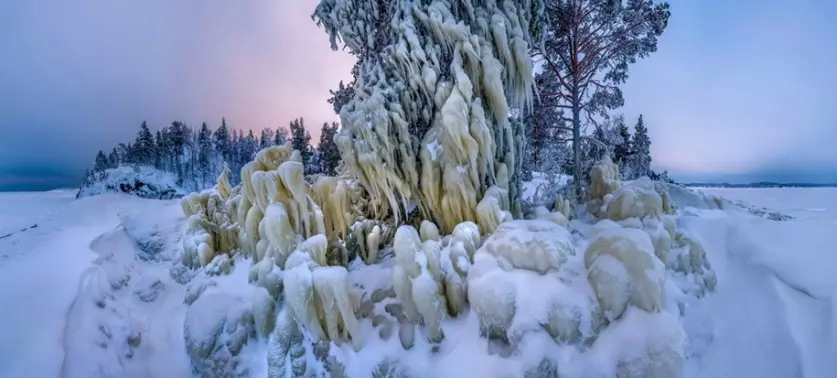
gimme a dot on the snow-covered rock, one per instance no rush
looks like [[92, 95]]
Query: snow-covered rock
[[142, 181]]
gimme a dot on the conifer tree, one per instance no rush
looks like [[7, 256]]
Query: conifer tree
[[329, 153], [205, 150], [641, 162], [101, 162], [280, 137], [301, 140], [144, 146], [266, 138]]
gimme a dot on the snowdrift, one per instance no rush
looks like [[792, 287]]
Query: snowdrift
[[143, 182]]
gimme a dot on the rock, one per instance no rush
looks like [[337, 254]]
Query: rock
[[546, 369], [396, 311], [378, 320], [181, 273], [216, 328], [386, 330], [407, 334], [365, 309], [381, 294], [149, 291], [196, 288], [220, 265]]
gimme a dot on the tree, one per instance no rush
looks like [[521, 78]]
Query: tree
[[113, 159], [266, 138], [144, 146], [280, 136], [416, 84], [329, 153], [622, 150], [586, 53], [641, 162], [204, 148], [101, 162], [222, 141], [301, 140]]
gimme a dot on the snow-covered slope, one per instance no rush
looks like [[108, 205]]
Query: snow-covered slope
[[90, 293]]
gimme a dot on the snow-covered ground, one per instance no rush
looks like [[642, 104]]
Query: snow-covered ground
[[88, 292], [818, 204]]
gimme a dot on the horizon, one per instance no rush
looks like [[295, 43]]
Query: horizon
[[715, 109]]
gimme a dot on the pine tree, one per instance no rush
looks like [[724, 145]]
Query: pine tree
[[329, 153], [101, 162], [301, 140], [144, 146], [622, 150], [266, 138], [223, 141], [205, 150], [590, 45], [280, 137], [641, 162], [251, 146], [113, 159]]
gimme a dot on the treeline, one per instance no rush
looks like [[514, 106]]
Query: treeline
[[631, 151], [197, 155]]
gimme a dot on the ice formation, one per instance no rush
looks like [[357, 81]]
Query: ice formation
[[645, 205], [521, 255], [320, 299], [623, 270], [429, 122], [212, 229], [429, 279]]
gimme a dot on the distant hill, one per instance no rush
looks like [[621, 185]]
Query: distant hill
[[761, 185]]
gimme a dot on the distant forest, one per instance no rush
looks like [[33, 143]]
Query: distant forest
[[196, 156]]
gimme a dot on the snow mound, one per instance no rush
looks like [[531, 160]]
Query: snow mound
[[144, 182]]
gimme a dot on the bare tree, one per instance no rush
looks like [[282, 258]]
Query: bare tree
[[588, 47]]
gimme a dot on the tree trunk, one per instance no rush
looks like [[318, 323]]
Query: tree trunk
[[577, 146]]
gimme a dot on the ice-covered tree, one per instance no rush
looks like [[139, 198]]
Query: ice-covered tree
[[641, 160], [113, 159], [301, 140], [101, 162], [623, 149], [437, 81], [144, 146], [330, 154], [588, 47]]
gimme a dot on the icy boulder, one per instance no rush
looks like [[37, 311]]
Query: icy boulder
[[623, 270], [144, 182], [520, 256], [218, 327]]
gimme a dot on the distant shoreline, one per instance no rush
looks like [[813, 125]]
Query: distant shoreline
[[760, 185]]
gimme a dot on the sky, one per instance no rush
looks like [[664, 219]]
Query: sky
[[737, 91]]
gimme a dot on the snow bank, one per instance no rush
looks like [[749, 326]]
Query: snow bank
[[143, 182]]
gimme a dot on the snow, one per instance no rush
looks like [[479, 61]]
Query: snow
[[142, 181], [541, 182], [772, 315]]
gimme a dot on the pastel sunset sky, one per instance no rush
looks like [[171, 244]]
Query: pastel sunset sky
[[738, 91]]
